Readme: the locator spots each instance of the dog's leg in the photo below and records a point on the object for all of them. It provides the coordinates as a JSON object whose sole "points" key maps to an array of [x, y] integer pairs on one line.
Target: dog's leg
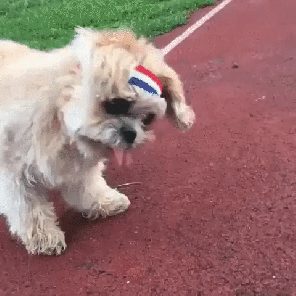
{"points": [[30, 217], [93, 197]]}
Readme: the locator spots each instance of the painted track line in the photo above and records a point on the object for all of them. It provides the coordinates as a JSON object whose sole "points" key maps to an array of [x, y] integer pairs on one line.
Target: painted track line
{"points": [[191, 29]]}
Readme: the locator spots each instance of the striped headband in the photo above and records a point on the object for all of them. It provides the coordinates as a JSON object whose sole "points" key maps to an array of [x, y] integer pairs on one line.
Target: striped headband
{"points": [[146, 80]]}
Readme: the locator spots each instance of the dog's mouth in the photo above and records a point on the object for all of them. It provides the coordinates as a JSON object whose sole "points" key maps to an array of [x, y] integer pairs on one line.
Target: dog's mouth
{"points": [[123, 157]]}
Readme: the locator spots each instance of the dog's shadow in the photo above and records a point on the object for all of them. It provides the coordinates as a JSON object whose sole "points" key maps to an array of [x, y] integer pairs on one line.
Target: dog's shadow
{"points": [[74, 224], [69, 220]]}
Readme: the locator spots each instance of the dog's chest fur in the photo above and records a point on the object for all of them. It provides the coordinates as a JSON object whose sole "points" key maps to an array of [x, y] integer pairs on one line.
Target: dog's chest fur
{"points": [[68, 166]]}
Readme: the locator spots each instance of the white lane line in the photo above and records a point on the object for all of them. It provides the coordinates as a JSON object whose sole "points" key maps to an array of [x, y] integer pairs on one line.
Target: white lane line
{"points": [[191, 29]]}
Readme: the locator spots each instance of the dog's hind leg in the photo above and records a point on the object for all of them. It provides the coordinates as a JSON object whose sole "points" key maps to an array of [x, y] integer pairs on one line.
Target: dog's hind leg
{"points": [[30, 217]]}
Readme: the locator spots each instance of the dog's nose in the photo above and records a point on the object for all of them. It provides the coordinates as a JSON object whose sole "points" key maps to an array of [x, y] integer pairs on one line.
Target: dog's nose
{"points": [[129, 135]]}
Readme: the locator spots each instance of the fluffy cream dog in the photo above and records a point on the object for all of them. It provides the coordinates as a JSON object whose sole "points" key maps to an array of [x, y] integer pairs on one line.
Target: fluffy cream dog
{"points": [[62, 113]]}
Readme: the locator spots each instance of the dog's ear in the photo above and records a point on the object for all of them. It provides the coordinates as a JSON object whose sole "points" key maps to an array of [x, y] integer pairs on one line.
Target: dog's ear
{"points": [[172, 89], [48, 133], [74, 115], [48, 128]]}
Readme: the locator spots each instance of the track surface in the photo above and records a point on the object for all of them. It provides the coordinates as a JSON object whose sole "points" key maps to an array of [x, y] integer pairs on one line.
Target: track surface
{"points": [[215, 213]]}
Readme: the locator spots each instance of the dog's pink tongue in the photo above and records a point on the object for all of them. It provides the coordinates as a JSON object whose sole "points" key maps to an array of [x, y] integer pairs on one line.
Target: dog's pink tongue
{"points": [[129, 158], [119, 154]]}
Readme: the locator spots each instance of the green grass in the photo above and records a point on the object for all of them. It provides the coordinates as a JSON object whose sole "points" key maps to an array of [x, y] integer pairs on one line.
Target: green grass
{"points": [[47, 24]]}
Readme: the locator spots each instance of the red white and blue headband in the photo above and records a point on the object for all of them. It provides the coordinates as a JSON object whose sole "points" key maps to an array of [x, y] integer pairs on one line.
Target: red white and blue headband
{"points": [[146, 80]]}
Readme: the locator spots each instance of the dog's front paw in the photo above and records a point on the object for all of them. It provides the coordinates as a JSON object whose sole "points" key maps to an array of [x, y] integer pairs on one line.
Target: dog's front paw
{"points": [[118, 203], [48, 242], [108, 206], [185, 116]]}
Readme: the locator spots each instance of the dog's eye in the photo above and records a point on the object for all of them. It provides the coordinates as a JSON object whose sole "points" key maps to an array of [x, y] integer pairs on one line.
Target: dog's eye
{"points": [[149, 118], [117, 106]]}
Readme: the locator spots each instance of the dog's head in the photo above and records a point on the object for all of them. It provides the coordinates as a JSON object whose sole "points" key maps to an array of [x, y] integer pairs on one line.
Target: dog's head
{"points": [[120, 93]]}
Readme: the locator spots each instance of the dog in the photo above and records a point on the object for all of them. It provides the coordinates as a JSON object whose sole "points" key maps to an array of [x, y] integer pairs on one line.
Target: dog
{"points": [[64, 113]]}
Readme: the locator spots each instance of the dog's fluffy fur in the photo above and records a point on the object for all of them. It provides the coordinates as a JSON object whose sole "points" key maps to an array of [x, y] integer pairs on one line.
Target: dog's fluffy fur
{"points": [[55, 131]]}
